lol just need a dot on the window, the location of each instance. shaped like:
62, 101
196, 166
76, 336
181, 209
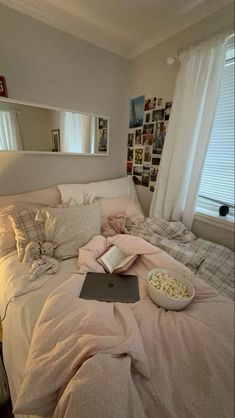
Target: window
77, 132
217, 180
10, 138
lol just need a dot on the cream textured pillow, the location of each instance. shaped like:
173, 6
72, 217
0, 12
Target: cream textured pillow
71, 228
26, 229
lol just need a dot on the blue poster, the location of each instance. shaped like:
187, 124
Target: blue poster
136, 112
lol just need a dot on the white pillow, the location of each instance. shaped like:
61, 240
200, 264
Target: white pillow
123, 186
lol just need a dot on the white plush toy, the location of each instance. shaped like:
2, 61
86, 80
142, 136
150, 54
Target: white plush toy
32, 252
39, 254
45, 264
47, 248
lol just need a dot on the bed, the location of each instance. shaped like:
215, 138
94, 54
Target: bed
175, 369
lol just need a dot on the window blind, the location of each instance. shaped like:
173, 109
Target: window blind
217, 180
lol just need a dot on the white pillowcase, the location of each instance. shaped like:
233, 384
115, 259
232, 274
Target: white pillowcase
71, 228
123, 186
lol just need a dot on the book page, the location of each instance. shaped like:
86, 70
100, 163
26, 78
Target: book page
125, 263
112, 258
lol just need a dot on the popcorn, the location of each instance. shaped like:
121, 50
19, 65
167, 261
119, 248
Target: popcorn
169, 285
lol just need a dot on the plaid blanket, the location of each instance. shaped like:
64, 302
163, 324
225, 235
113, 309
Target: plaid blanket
211, 262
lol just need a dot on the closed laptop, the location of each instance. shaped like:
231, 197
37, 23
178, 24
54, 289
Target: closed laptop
110, 287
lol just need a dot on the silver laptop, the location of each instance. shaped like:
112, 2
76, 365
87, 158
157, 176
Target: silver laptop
110, 287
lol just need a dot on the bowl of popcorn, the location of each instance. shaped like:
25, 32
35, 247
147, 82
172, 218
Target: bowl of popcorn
169, 290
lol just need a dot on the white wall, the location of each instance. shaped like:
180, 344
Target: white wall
151, 76
46, 66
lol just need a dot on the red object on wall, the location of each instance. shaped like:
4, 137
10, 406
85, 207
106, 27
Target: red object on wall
3, 86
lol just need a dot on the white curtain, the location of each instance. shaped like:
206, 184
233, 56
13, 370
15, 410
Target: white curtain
192, 115
10, 138
77, 132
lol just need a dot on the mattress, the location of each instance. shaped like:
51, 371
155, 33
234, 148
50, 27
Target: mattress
21, 302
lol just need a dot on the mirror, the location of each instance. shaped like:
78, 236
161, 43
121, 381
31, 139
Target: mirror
33, 128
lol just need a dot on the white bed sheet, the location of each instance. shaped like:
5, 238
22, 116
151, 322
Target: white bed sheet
20, 314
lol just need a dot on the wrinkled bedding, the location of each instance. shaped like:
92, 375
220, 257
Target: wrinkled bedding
97, 359
21, 302
211, 262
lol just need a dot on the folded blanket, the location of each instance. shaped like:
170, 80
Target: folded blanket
116, 360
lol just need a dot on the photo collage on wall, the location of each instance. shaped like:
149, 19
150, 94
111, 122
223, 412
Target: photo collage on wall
147, 130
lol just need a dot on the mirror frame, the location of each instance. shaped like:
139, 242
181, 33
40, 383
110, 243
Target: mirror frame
49, 107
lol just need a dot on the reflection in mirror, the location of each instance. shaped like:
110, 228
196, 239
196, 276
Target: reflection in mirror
25, 127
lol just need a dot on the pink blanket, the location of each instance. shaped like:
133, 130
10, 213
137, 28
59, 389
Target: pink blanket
103, 360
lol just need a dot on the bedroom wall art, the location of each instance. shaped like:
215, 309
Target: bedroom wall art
3, 86
145, 141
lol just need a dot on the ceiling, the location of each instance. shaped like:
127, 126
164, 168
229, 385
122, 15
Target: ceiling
125, 27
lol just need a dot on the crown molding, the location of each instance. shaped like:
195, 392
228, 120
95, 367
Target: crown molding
68, 22
182, 23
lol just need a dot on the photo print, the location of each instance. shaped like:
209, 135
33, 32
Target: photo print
168, 110
136, 112
146, 167
55, 134
150, 104
137, 180
130, 139
152, 187
138, 155
148, 139
153, 102
158, 115
147, 117
137, 170
147, 104
3, 86
159, 102
138, 136
153, 173
148, 128
156, 161
159, 139
147, 154
129, 165
129, 154
102, 144
145, 178
103, 123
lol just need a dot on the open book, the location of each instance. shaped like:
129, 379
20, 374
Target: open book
114, 261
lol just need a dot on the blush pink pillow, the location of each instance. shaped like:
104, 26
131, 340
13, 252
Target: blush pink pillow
111, 206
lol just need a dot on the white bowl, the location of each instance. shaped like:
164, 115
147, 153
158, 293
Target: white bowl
165, 301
